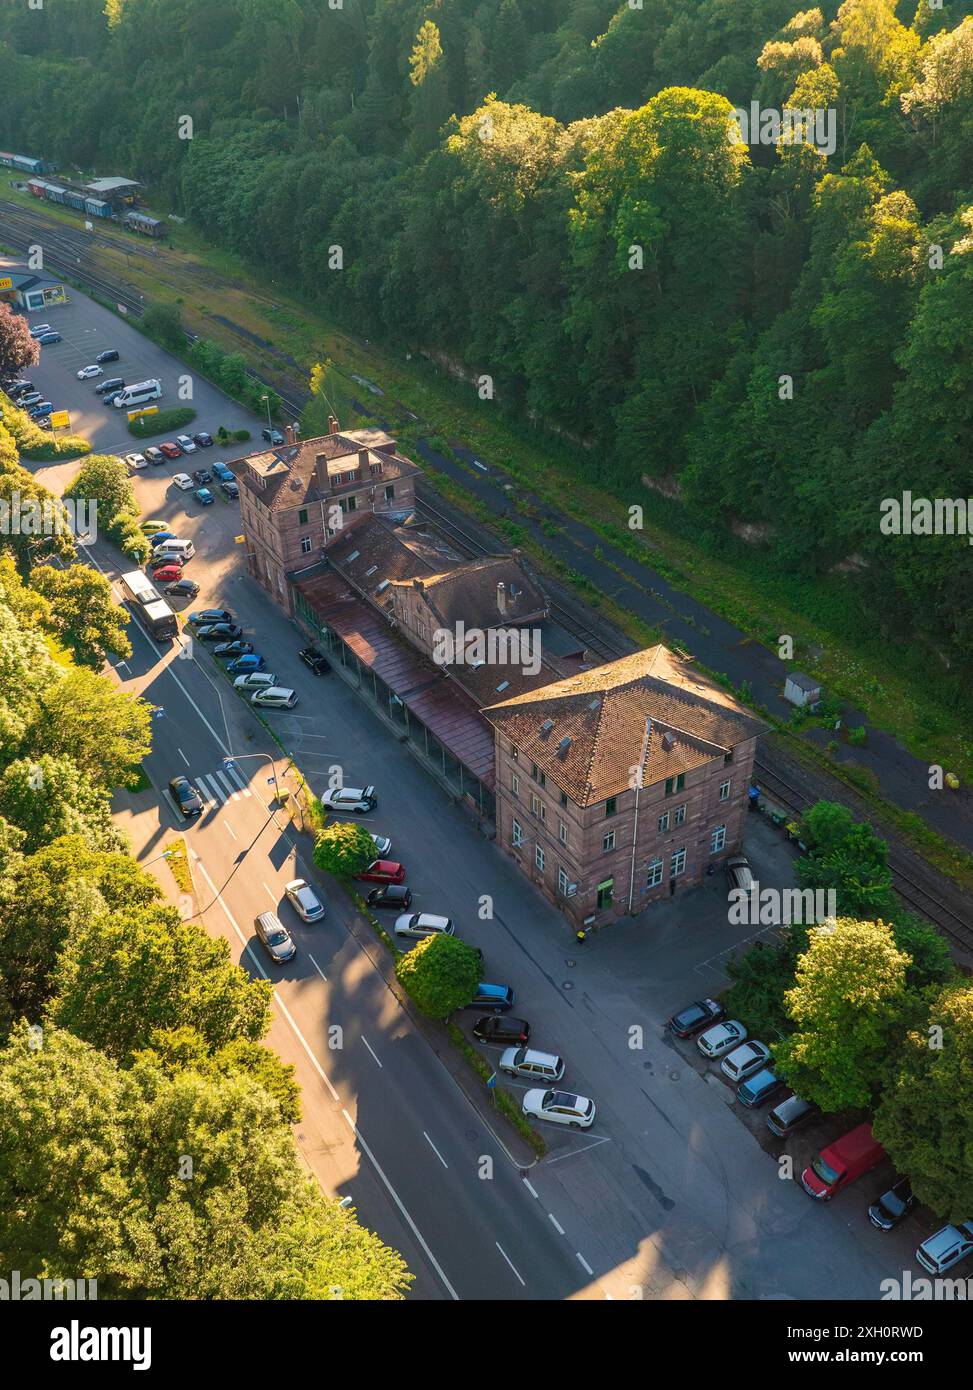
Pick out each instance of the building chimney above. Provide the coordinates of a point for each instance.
(332, 425)
(289, 434)
(502, 599)
(363, 463)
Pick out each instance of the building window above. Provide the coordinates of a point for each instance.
(352, 504)
(516, 834)
(543, 779)
(654, 874)
(421, 629)
(302, 517)
(724, 791)
(608, 842)
(564, 798)
(534, 769)
(305, 545)
(562, 882)
(717, 840)
(539, 857)
(663, 822)
(675, 784)
(611, 806)
(537, 807)
(604, 892)
(562, 832)
(677, 864)
(515, 784)
(514, 754)
(728, 757)
(680, 816)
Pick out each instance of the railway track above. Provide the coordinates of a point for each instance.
(913, 894)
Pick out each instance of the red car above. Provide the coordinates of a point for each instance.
(171, 451)
(166, 574)
(384, 871)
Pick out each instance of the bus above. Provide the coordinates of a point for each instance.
(149, 606)
(139, 393)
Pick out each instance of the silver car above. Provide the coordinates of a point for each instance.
(746, 1060)
(420, 924)
(721, 1038)
(304, 900)
(535, 1066)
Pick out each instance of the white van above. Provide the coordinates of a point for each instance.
(275, 697)
(184, 549)
(138, 394)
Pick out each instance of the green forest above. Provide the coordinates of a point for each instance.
(549, 192)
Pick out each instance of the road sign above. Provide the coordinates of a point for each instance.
(6, 283)
(59, 418)
(491, 1081)
(239, 540)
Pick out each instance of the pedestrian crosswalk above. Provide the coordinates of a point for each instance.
(216, 788)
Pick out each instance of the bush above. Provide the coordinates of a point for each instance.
(241, 435)
(857, 737)
(32, 442)
(163, 323)
(440, 974)
(162, 422)
(343, 849)
(761, 976)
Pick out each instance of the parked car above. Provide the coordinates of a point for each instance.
(38, 328)
(221, 471)
(45, 339)
(421, 924)
(695, 1017)
(188, 801)
(360, 799)
(393, 896)
(162, 557)
(253, 661)
(235, 648)
(272, 436)
(790, 1114)
(136, 461)
(315, 661)
(167, 574)
(159, 538)
(182, 480)
(383, 845)
(203, 439)
(499, 998)
(255, 680)
(304, 900)
(172, 451)
(154, 455)
(112, 396)
(149, 528)
(758, 1089)
(501, 1030)
(202, 475)
(535, 1066)
(19, 389)
(86, 373)
(560, 1107)
(839, 1164)
(230, 490)
(204, 497)
(109, 355)
(892, 1206)
(721, 1039)
(183, 588)
(946, 1248)
(275, 936)
(205, 616)
(218, 632)
(111, 383)
(738, 872)
(29, 399)
(383, 871)
(743, 1061)
(186, 443)
(43, 408)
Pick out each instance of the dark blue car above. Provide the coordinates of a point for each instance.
(758, 1089)
(221, 471)
(204, 497)
(243, 664)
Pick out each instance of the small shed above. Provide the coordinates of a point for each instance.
(801, 690)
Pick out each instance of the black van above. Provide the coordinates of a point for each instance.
(110, 355)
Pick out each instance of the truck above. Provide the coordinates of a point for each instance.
(149, 606)
(839, 1164)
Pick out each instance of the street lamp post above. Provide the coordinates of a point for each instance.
(228, 763)
(166, 854)
(266, 399)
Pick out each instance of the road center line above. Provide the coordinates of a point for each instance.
(434, 1149)
(182, 755)
(271, 894)
(509, 1261)
(229, 829)
(530, 1189)
(584, 1264)
(370, 1048)
(317, 967)
(556, 1224)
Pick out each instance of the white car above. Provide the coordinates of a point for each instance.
(40, 328)
(721, 1038)
(383, 846)
(87, 372)
(744, 1061)
(185, 443)
(420, 924)
(184, 481)
(304, 900)
(361, 799)
(255, 680)
(560, 1107)
(136, 461)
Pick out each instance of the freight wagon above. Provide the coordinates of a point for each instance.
(28, 165)
(147, 226)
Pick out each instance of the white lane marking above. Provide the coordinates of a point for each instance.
(573, 1153)
(370, 1048)
(271, 894)
(398, 1202)
(529, 1188)
(584, 1263)
(183, 756)
(229, 829)
(509, 1261)
(317, 967)
(214, 787)
(234, 776)
(556, 1224)
(434, 1149)
(225, 781)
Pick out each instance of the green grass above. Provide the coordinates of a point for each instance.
(178, 862)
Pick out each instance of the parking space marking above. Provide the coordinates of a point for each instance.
(574, 1152)
(724, 956)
